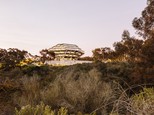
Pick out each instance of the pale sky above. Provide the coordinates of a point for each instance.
(33, 25)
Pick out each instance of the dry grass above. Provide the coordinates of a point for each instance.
(80, 91)
(83, 89)
(31, 92)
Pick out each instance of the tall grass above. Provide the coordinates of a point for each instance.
(81, 91)
(30, 92)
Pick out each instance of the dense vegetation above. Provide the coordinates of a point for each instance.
(119, 82)
(87, 88)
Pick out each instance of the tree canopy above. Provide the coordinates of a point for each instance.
(11, 57)
(46, 55)
(133, 49)
(144, 26)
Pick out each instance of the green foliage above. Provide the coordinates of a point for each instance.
(63, 111)
(40, 109)
(121, 70)
(43, 109)
(31, 70)
(143, 103)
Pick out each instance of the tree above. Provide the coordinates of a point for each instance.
(145, 28)
(129, 48)
(102, 54)
(11, 57)
(47, 55)
(145, 24)
(97, 54)
(148, 52)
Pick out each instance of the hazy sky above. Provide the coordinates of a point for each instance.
(33, 25)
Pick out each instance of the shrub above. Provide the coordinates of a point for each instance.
(138, 104)
(142, 103)
(43, 109)
(80, 91)
(30, 70)
(30, 92)
(13, 73)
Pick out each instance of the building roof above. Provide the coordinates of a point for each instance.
(65, 46)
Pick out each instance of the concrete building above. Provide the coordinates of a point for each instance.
(66, 51)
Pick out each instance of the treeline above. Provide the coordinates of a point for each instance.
(136, 51)
(133, 49)
(13, 57)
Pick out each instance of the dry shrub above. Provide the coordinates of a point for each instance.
(80, 91)
(120, 104)
(7, 89)
(138, 104)
(51, 94)
(9, 85)
(30, 92)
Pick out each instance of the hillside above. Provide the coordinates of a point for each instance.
(87, 88)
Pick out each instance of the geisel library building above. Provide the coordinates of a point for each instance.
(66, 54)
(66, 51)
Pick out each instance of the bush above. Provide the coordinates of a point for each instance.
(142, 103)
(80, 91)
(30, 92)
(138, 104)
(43, 109)
(31, 70)
(40, 109)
